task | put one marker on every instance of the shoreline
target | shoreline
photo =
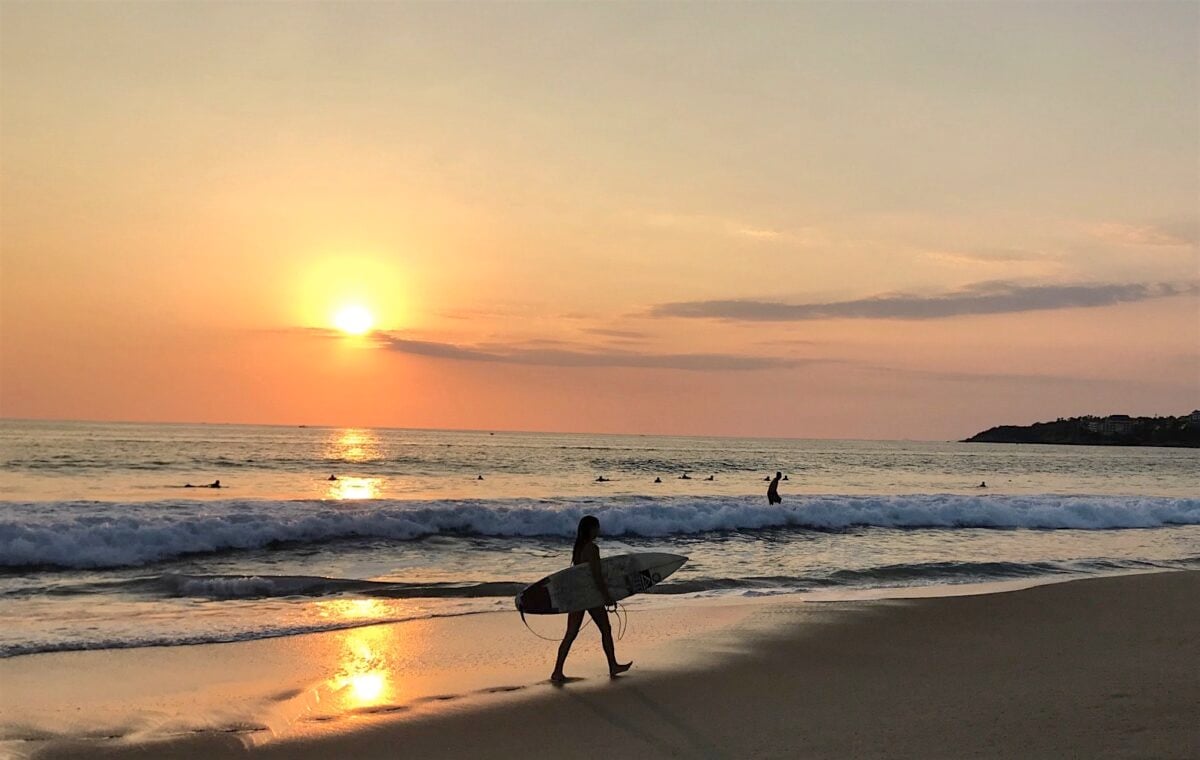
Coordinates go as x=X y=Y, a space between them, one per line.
x=376 y=689
x=651 y=601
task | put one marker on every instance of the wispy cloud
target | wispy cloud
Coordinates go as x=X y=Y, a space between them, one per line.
x=611 y=333
x=1176 y=232
x=758 y=233
x=719 y=225
x=581 y=357
x=987 y=256
x=980 y=298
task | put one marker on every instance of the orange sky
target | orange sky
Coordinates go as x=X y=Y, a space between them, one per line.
x=826 y=220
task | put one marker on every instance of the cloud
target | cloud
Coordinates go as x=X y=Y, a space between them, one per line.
x=521 y=310
x=610 y=333
x=709 y=224
x=1176 y=232
x=759 y=233
x=980 y=298
x=986 y=256
x=581 y=357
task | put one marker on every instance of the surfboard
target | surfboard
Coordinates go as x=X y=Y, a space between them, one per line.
x=574 y=589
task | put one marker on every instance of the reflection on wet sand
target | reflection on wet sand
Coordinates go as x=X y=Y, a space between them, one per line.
x=364 y=678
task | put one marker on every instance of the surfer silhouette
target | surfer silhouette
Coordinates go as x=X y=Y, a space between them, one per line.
x=586 y=552
x=773 y=490
x=214 y=484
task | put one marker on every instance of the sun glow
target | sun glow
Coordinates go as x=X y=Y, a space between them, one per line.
x=353 y=320
x=364 y=677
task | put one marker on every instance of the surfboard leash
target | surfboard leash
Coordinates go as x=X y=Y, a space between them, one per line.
x=535 y=633
x=618 y=610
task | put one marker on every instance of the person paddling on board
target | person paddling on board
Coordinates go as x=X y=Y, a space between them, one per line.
x=773 y=490
x=586 y=552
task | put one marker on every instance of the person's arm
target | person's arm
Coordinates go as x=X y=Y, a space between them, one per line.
x=597 y=575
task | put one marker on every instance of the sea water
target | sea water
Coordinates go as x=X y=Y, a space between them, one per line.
x=103 y=544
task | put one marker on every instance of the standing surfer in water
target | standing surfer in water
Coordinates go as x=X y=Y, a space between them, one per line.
x=773 y=490
x=586 y=552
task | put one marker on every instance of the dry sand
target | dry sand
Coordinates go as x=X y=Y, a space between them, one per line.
x=1096 y=668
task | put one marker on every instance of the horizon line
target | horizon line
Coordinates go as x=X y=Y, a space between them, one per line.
x=462 y=430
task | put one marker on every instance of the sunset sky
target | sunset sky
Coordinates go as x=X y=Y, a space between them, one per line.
x=812 y=220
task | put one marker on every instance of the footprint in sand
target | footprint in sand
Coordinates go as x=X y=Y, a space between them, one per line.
x=284 y=696
x=502 y=689
x=321 y=718
x=382 y=710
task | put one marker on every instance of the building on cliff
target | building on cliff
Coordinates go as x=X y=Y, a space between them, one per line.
x=1114 y=424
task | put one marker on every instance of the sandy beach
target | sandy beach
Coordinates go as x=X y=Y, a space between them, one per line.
x=1103 y=667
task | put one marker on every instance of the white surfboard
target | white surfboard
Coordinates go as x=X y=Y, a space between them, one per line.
x=574 y=589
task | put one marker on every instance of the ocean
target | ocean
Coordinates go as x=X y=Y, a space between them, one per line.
x=103 y=545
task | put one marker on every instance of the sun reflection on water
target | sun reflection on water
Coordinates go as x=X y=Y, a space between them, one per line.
x=352 y=445
x=352 y=610
x=349 y=488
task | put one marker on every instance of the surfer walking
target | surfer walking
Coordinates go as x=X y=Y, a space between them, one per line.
x=773 y=490
x=586 y=552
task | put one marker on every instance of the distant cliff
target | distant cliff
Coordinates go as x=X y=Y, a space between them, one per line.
x=1114 y=430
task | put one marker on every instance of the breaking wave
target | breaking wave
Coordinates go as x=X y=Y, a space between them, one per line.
x=113 y=534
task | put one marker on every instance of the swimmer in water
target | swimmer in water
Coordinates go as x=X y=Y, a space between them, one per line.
x=658 y=480
x=479 y=477
x=982 y=484
x=601 y=479
x=685 y=476
x=711 y=477
x=773 y=490
x=332 y=477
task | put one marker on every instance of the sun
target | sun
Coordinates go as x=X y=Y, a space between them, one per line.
x=353 y=320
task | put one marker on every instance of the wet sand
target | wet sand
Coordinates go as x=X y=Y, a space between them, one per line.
x=1105 y=667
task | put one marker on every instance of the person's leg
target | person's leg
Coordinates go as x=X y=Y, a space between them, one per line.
x=600 y=616
x=574 y=621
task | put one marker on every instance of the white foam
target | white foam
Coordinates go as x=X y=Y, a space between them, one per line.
x=106 y=534
x=226 y=588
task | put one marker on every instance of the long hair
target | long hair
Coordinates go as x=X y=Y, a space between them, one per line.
x=583 y=534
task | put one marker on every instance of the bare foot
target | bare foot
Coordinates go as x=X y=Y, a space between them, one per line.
x=618 y=669
x=558 y=678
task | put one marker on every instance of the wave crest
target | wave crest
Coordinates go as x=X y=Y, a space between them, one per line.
x=110 y=534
